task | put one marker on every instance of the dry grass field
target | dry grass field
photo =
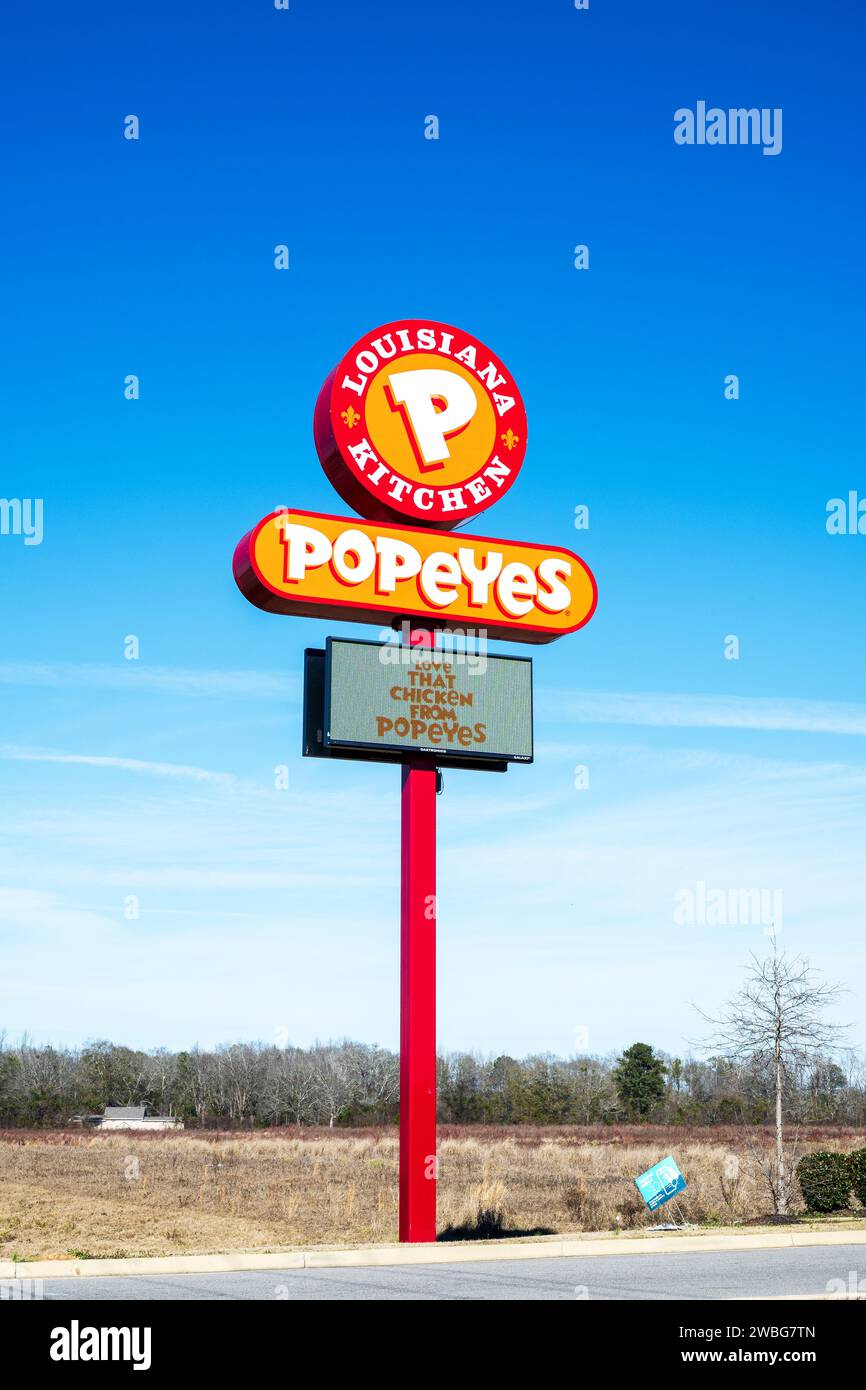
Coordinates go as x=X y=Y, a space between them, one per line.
x=71 y=1194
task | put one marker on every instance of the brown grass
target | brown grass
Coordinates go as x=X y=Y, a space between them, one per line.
x=65 y=1193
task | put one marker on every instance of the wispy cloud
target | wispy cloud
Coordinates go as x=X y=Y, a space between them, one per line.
x=135 y=676
x=711 y=761
x=281 y=907
x=705 y=711
x=183 y=771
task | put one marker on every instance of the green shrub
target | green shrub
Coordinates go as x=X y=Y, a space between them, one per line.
x=825 y=1181
x=857 y=1174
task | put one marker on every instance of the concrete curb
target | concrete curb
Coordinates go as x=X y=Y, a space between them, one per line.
x=457 y=1253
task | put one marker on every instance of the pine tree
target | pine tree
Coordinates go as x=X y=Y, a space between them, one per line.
x=640 y=1080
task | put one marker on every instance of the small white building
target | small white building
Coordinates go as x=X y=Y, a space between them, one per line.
x=134 y=1117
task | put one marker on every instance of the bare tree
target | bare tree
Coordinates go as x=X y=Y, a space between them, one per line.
x=161 y=1071
x=196 y=1073
x=593 y=1089
x=334 y=1084
x=776 y=1026
x=374 y=1073
x=241 y=1071
x=290 y=1085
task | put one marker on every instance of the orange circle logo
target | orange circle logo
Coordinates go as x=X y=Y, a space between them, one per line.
x=420 y=422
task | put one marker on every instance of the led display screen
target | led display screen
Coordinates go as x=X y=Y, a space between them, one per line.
x=417 y=700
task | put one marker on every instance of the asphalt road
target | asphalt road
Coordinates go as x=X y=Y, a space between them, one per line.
x=727 y=1274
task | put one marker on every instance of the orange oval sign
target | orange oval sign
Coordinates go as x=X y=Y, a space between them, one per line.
x=420 y=422
x=320 y=566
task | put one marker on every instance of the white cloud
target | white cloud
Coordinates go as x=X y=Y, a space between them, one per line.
x=705 y=711
x=134 y=676
x=14 y=753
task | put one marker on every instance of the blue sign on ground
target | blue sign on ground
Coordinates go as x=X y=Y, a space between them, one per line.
x=661 y=1182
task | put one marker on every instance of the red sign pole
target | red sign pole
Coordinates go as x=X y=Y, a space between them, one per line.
x=418 y=996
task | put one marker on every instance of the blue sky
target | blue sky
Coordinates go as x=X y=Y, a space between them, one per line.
x=270 y=913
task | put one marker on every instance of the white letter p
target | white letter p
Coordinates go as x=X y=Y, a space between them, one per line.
x=420 y=391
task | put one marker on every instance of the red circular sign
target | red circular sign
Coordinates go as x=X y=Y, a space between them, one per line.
x=420 y=422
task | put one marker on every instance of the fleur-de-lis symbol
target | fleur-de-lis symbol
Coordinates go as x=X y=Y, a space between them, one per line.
x=350 y=417
x=510 y=439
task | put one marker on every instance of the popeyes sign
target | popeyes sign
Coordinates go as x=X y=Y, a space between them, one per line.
x=420 y=422
x=322 y=566
x=419 y=427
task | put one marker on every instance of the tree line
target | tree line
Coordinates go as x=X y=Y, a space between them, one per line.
x=248 y=1085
